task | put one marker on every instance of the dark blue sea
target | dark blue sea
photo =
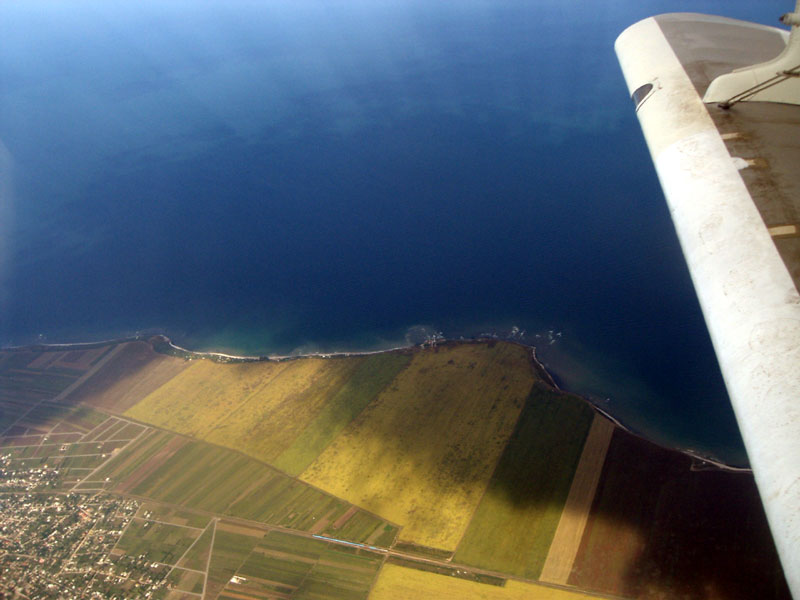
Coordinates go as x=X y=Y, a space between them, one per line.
x=276 y=177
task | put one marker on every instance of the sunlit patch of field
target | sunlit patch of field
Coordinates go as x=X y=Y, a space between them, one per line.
x=203 y=395
x=422 y=453
x=365 y=382
x=271 y=418
x=195 y=475
x=258 y=408
x=400 y=582
x=514 y=525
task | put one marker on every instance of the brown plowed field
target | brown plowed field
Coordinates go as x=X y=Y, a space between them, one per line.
x=660 y=530
x=81 y=360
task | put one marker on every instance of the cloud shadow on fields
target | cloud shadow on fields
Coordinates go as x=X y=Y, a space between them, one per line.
x=662 y=525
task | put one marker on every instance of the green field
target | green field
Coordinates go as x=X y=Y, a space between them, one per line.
x=135 y=457
x=186 y=581
x=173 y=515
x=228 y=553
x=158 y=542
x=258 y=408
x=197 y=475
x=423 y=452
x=197 y=556
x=366 y=381
x=514 y=524
x=306 y=568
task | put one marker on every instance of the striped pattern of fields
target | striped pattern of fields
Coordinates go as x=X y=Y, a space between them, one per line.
x=514 y=524
x=657 y=528
x=456 y=464
x=279 y=412
x=178 y=471
x=134 y=372
x=68 y=442
x=28 y=378
x=568 y=534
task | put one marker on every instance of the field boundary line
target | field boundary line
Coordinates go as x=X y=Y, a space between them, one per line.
x=262 y=462
x=111 y=456
x=47 y=435
x=96 y=427
x=82 y=379
x=575 y=514
x=210 y=553
x=65 y=444
x=185 y=552
x=64 y=393
x=171 y=525
x=494 y=470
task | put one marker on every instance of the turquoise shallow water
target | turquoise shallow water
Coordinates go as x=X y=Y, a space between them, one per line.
x=273 y=178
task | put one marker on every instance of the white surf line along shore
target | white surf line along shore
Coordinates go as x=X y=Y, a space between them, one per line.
x=287 y=356
x=339 y=354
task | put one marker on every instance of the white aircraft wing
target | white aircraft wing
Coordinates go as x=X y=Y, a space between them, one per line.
x=726 y=148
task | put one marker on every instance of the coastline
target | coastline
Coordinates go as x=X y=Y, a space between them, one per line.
x=164 y=345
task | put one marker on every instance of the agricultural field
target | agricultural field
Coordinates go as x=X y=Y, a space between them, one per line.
x=29 y=378
x=23 y=386
x=173 y=515
x=368 y=379
x=269 y=421
x=196 y=557
x=297 y=567
x=423 y=452
x=575 y=514
x=401 y=582
x=514 y=524
x=156 y=541
x=130 y=375
x=444 y=472
x=257 y=408
x=59 y=444
x=230 y=548
x=48 y=417
x=173 y=469
x=659 y=529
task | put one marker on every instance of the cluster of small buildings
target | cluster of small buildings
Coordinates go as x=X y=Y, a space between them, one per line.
x=59 y=546
x=23 y=479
